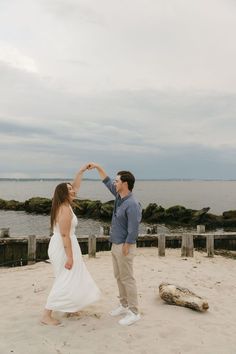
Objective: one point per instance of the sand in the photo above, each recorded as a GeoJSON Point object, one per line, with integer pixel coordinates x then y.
{"type": "Point", "coordinates": [163, 328]}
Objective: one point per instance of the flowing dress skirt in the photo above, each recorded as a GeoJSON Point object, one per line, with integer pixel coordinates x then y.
{"type": "Point", "coordinates": [73, 289]}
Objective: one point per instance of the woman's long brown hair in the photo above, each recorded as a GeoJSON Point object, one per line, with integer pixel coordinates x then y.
{"type": "Point", "coordinates": [61, 195]}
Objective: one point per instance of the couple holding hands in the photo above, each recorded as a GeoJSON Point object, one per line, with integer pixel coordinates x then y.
{"type": "Point", "coordinates": [73, 287]}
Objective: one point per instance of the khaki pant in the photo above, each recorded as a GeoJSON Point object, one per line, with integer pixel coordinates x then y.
{"type": "Point", "coordinates": [123, 272]}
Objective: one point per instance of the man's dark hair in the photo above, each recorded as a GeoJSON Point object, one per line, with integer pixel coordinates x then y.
{"type": "Point", "coordinates": [126, 176]}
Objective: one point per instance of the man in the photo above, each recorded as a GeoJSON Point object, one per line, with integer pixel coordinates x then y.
{"type": "Point", "coordinates": [126, 217]}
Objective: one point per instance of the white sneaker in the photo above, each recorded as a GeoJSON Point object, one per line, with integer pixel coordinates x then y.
{"type": "Point", "coordinates": [120, 310]}
{"type": "Point", "coordinates": [129, 319]}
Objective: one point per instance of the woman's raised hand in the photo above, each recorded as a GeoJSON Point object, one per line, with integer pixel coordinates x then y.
{"type": "Point", "coordinates": [84, 168]}
{"type": "Point", "coordinates": [92, 165]}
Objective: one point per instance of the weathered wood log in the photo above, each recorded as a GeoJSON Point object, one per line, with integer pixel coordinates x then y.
{"type": "Point", "coordinates": [176, 295]}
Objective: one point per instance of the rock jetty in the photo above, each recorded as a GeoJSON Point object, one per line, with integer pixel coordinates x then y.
{"type": "Point", "coordinates": [176, 215]}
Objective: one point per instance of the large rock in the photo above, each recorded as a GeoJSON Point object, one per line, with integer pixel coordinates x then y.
{"type": "Point", "coordinates": [200, 213]}
{"type": "Point", "coordinates": [229, 214]}
{"type": "Point", "coordinates": [80, 206]}
{"type": "Point", "coordinates": [176, 215]}
{"type": "Point", "coordinates": [153, 213]}
{"type": "Point", "coordinates": [38, 205]}
{"type": "Point", "coordinates": [94, 209]}
{"type": "Point", "coordinates": [12, 205]}
{"type": "Point", "coordinates": [3, 204]}
{"type": "Point", "coordinates": [107, 210]}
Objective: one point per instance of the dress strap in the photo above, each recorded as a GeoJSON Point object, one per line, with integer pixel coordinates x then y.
{"type": "Point", "coordinates": [71, 209]}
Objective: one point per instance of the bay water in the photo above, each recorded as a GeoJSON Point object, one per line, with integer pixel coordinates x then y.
{"type": "Point", "coordinates": [219, 195]}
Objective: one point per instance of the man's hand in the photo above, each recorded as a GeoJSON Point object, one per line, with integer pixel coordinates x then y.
{"type": "Point", "coordinates": [69, 263]}
{"type": "Point", "coordinates": [92, 165]}
{"type": "Point", "coordinates": [101, 171]}
{"type": "Point", "coordinates": [125, 249]}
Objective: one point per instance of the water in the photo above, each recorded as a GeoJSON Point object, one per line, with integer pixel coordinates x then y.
{"type": "Point", "coordinates": [218, 195]}
{"type": "Point", "coordinates": [23, 224]}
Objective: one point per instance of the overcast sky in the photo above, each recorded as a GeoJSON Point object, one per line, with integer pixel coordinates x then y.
{"type": "Point", "coordinates": [144, 85]}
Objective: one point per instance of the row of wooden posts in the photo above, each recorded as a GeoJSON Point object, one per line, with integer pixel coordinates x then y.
{"type": "Point", "coordinates": [32, 247]}
{"type": "Point", "coordinates": [187, 248]}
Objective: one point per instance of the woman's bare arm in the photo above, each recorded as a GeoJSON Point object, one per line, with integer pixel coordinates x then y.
{"type": "Point", "coordinates": [77, 181]}
{"type": "Point", "coordinates": [64, 221]}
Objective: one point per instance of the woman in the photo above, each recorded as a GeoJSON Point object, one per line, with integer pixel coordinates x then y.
{"type": "Point", "coordinates": [73, 287]}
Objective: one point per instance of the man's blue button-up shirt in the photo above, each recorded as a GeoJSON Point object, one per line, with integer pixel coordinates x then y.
{"type": "Point", "coordinates": [126, 217]}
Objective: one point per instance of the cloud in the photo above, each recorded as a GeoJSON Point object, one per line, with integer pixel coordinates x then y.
{"type": "Point", "coordinates": [13, 57]}
{"type": "Point", "coordinates": [72, 10]}
{"type": "Point", "coordinates": [178, 45]}
{"type": "Point", "coordinates": [147, 87]}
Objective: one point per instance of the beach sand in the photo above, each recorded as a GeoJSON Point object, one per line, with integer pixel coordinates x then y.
{"type": "Point", "coordinates": [163, 328]}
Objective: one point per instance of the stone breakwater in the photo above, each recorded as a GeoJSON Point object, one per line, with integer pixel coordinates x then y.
{"type": "Point", "coordinates": [176, 215]}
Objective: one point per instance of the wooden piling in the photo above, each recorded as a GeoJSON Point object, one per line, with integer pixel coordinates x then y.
{"type": "Point", "coordinates": [105, 230]}
{"type": "Point", "coordinates": [14, 250]}
{"type": "Point", "coordinates": [183, 246]}
{"type": "Point", "coordinates": [201, 229]}
{"type": "Point", "coordinates": [210, 245]}
{"type": "Point", "coordinates": [4, 232]}
{"type": "Point", "coordinates": [161, 245]}
{"type": "Point", "coordinates": [92, 246]}
{"type": "Point", "coordinates": [187, 245]}
{"type": "Point", "coordinates": [31, 249]}
{"type": "Point", "coordinates": [151, 230]}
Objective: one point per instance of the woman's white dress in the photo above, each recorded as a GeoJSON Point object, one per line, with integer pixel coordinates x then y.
{"type": "Point", "coordinates": [73, 289]}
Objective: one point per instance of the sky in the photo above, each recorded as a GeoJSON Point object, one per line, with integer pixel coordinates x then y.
{"type": "Point", "coordinates": [143, 85]}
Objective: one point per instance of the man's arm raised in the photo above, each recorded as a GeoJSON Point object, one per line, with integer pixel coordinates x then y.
{"type": "Point", "coordinates": [104, 177]}
{"type": "Point", "coordinates": [101, 171]}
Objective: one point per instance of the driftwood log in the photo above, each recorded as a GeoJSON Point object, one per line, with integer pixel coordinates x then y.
{"type": "Point", "coordinates": [176, 295]}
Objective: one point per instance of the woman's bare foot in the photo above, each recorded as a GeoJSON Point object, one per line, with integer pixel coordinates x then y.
{"type": "Point", "coordinates": [50, 321]}
{"type": "Point", "coordinates": [47, 319]}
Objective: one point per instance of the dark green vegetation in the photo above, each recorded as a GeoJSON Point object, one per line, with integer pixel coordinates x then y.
{"type": "Point", "coordinates": [176, 215]}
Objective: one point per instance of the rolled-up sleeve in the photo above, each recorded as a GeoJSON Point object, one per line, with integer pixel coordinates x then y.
{"type": "Point", "coordinates": [134, 215]}
{"type": "Point", "coordinates": [109, 184]}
